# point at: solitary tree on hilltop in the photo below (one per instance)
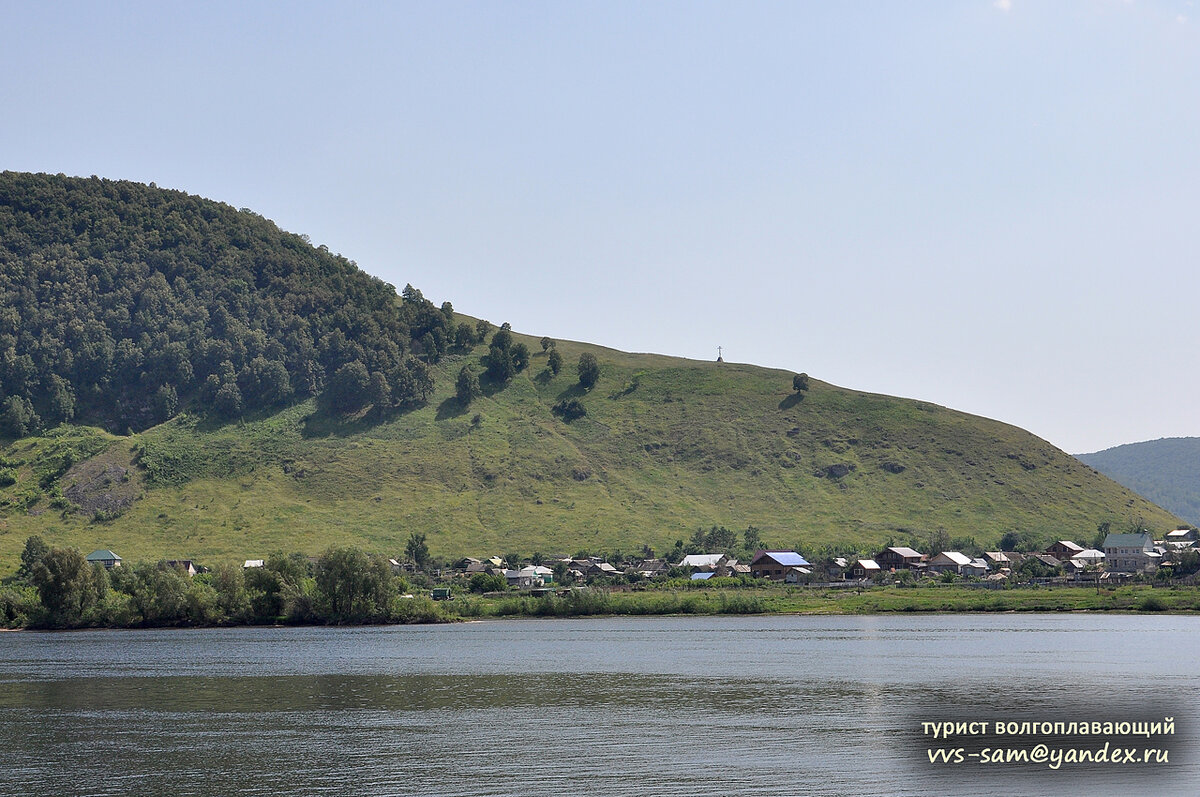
(800, 383)
(589, 370)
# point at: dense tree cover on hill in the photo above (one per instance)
(121, 302)
(1166, 471)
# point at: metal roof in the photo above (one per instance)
(702, 576)
(906, 552)
(954, 556)
(785, 558)
(1141, 540)
(701, 560)
(103, 556)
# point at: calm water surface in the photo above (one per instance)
(673, 706)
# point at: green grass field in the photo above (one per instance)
(667, 446)
(804, 600)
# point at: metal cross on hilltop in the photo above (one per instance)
(719, 355)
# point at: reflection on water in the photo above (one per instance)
(681, 706)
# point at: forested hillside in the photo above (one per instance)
(1166, 471)
(120, 303)
(180, 379)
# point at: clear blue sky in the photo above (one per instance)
(993, 206)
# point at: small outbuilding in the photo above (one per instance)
(186, 565)
(796, 575)
(865, 568)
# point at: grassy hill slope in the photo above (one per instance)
(667, 446)
(228, 351)
(1166, 471)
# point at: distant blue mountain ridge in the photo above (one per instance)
(1166, 471)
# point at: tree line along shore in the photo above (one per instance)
(58, 588)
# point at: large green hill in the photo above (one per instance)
(666, 446)
(1166, 471)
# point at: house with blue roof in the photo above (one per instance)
(775, 564)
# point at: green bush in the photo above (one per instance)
(569, 410)
(1151, 603)
(416, 610)
(19, 607)
(487, 582)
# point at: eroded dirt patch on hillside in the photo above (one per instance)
(107, 484)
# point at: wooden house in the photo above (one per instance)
(899, 558)
(774, 564)
(1064, 550)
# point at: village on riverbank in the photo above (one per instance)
(1123, 557)
(62, 588)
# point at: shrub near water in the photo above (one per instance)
(580, 603)
(1151, 603)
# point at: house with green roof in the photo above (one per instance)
(1131, 553)
(104, 557)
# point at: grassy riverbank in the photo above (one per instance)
(19, 607)
(806, 600)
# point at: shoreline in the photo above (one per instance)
(768, 601)
(536, 617)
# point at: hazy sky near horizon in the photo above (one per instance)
(988, 205)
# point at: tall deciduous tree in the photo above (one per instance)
(466, 386)
(63, 578)
(354, 586)
(347, 388)
(417, 550)
(589, 370)
(35, 549)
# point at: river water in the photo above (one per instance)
(614, 706)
